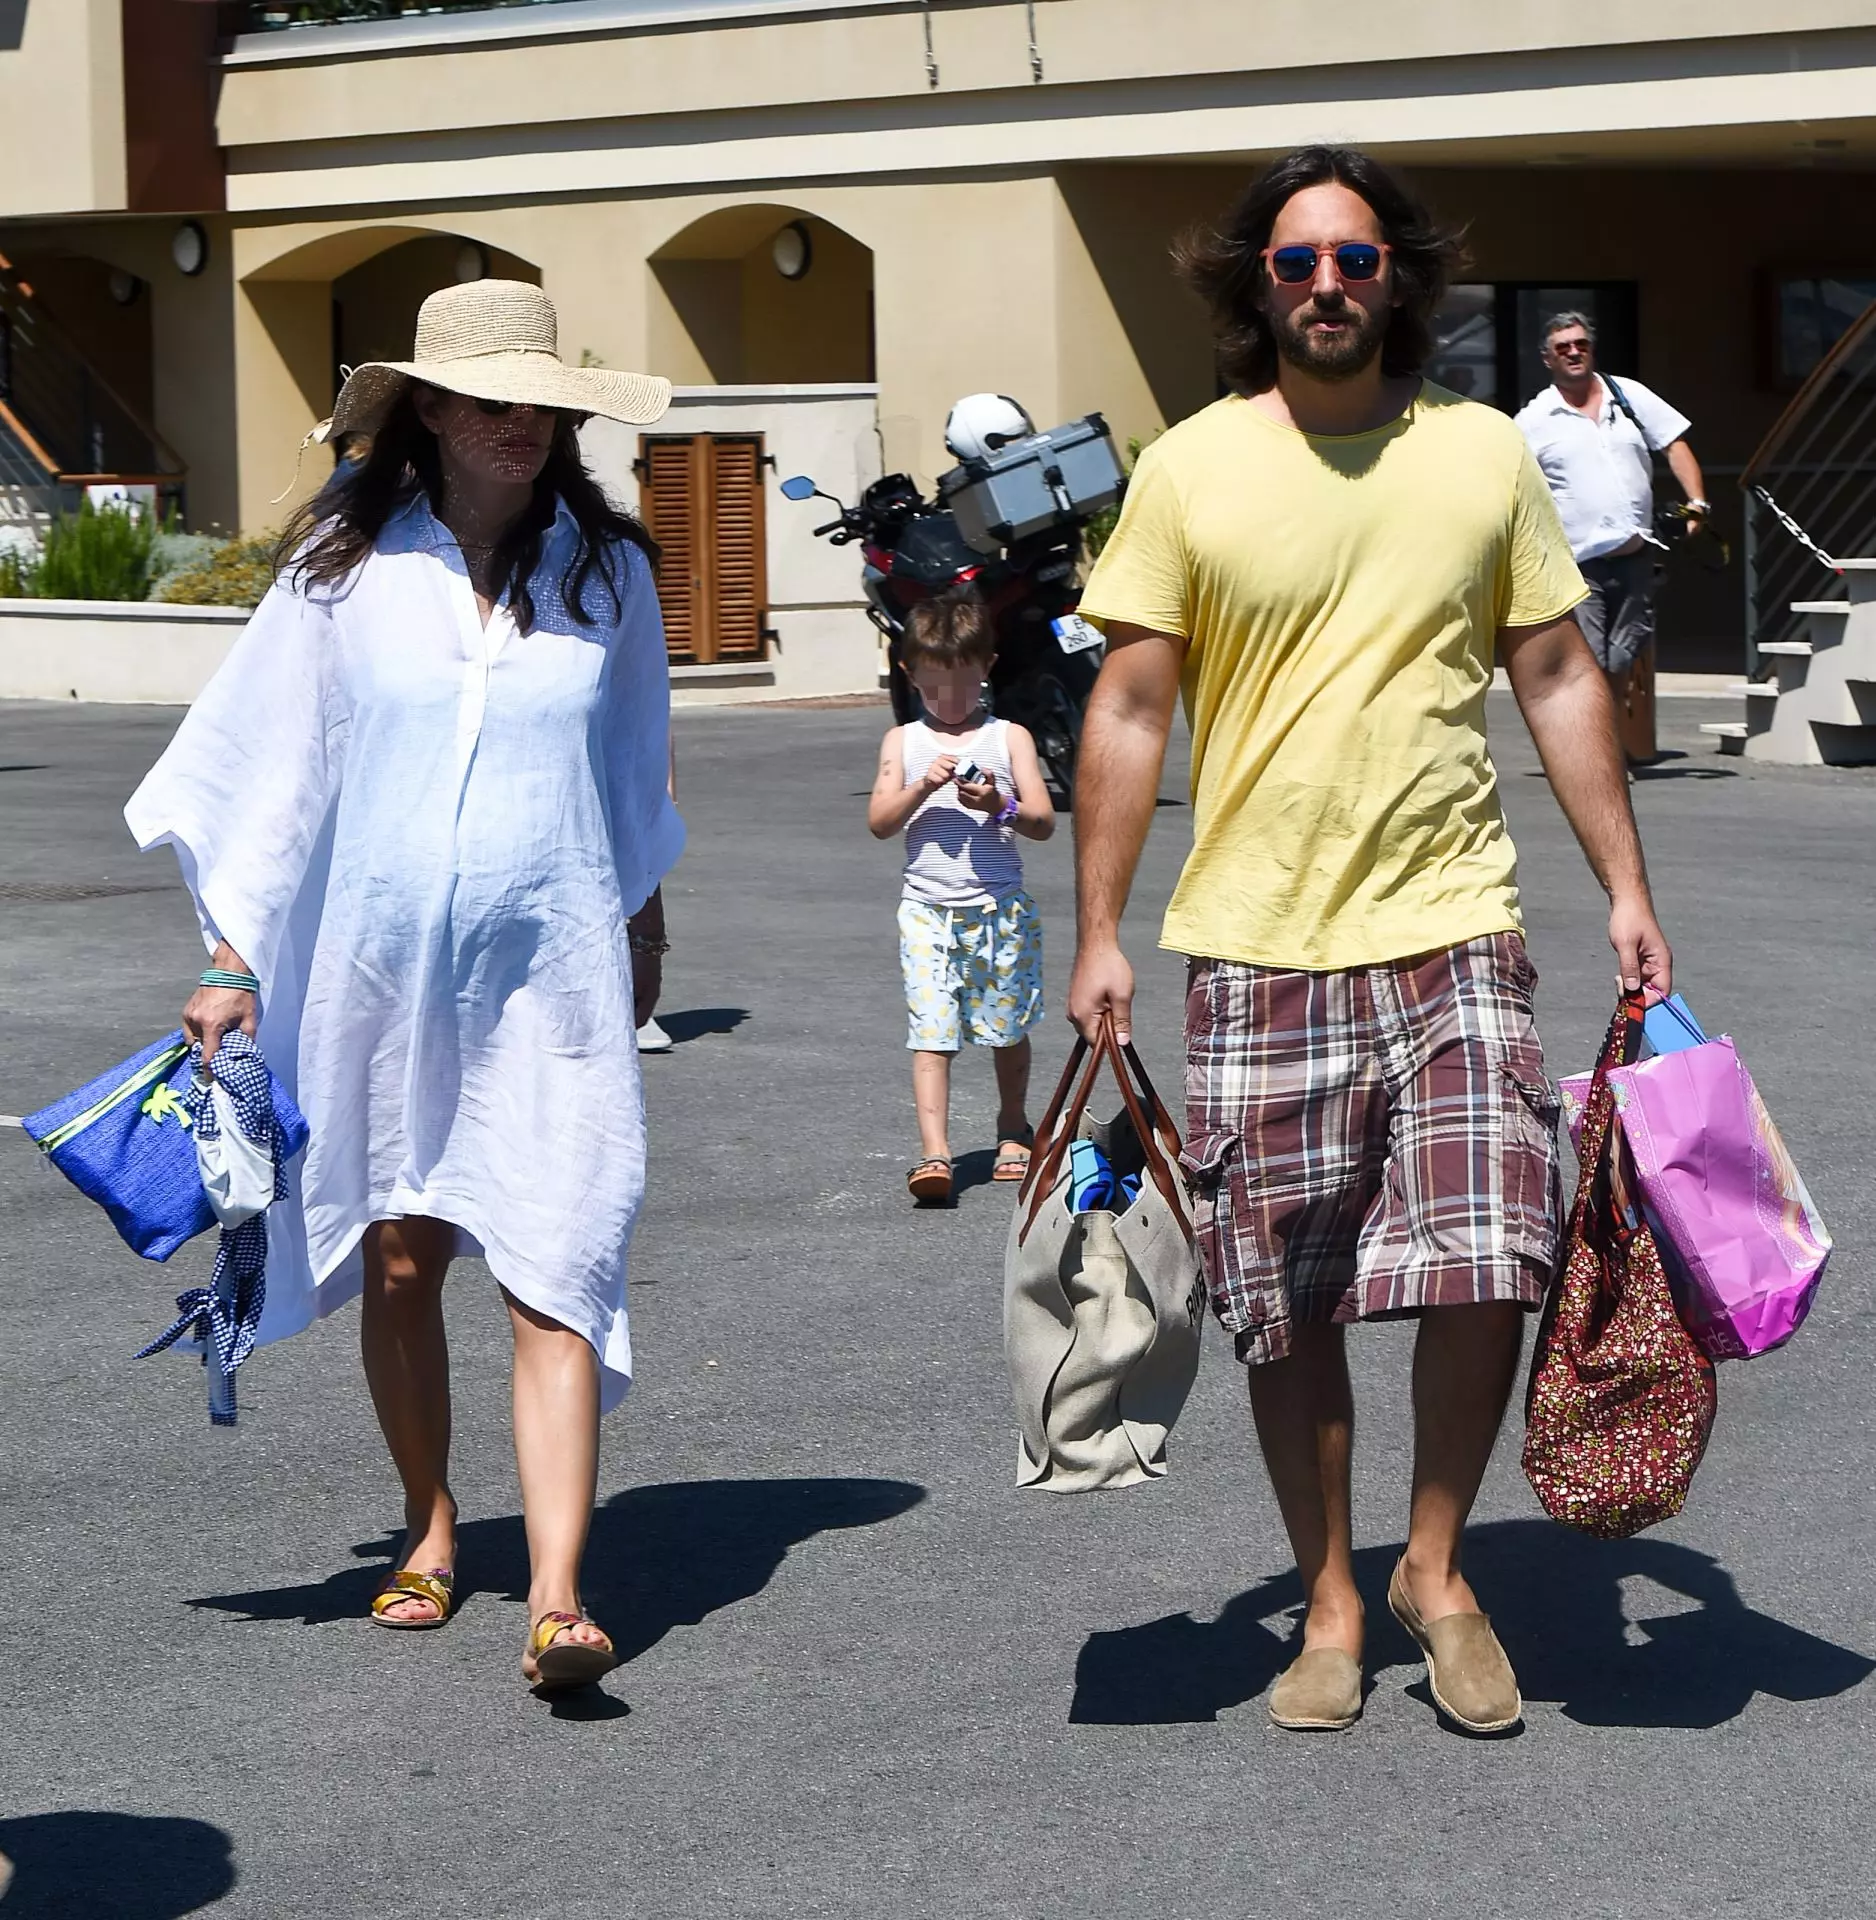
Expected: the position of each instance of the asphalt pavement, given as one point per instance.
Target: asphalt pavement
(866, 1675)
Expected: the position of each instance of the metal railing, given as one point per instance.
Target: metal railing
(272, 16)
(1811, 491)
(61, 419)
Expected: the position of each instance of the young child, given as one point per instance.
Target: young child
(962, 786)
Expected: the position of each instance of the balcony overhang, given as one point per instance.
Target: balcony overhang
(1771, 100)
(517, 26)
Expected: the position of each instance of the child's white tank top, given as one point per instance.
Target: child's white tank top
(954, 857)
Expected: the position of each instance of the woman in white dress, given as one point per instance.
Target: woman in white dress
(423, 811)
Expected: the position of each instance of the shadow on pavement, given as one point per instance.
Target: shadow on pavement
(130, 1866)
(695, 1022)
(1693, 770)
(1556, 1598)
(974, 1169)
(659, 1557)
(588, 1704)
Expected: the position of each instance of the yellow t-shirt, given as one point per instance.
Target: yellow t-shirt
(1340, 597)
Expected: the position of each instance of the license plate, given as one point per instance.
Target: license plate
(1077, 635)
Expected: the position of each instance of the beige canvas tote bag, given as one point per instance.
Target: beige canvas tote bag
(1101, 1311)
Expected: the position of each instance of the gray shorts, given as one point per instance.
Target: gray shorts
(1618, 618)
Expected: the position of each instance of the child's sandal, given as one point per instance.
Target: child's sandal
(1012, 1161)
(930, 1180)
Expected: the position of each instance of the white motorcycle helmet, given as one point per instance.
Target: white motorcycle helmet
(981, 423)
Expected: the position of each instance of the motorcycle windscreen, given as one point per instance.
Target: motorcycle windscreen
(933, 553)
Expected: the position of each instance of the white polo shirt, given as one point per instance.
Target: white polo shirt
(1599, 470)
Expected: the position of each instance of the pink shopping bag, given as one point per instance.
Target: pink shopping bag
(1742, 1242)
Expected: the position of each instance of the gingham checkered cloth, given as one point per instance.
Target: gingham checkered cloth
(225, 1315)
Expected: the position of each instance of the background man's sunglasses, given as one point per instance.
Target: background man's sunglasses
(1571, 347)
(1354, 260)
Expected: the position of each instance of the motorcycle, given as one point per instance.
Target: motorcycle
(914, 549)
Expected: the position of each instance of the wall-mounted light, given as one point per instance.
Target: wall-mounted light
(472, 261)
(793, 251)
(124, 287)
(188, 247)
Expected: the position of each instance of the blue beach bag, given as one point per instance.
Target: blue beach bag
(124, 1140)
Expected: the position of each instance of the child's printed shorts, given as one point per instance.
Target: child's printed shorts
(973, 971)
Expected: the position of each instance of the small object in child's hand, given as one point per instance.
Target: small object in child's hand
(969, 774)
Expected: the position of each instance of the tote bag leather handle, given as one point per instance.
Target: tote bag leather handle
(1169, 1137)
(1152, 1124)
(1058, 1127)
(1161, 1149)
(1045, 1138)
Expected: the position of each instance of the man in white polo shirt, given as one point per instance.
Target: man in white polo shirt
(1595, 439)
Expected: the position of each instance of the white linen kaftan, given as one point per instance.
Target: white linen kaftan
(426, 837)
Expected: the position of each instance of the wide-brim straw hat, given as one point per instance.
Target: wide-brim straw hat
(495, 340)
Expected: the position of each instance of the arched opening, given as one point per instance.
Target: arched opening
(374, 305)
(353, 296)
(350, 295)
(762, 296)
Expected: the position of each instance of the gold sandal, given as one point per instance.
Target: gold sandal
(567, 1663)
(437, 1586)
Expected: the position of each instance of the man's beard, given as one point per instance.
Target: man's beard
(1337, 356)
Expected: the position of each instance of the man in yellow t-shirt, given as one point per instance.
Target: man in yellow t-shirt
(1327, 563)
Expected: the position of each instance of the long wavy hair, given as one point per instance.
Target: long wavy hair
(331, 534)
(1223, 263)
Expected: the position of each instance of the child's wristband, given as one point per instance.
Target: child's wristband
(1007, 812)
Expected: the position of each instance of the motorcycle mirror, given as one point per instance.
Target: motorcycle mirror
(799, 487)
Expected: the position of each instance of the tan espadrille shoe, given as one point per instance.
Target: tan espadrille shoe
(1471, 1680)
(1319, 1692)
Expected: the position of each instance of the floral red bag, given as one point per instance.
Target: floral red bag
(1621, 1398)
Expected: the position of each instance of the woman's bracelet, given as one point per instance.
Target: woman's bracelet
(645, 943)
(225, 977)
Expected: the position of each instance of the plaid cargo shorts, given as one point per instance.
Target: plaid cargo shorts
(1369, 1143)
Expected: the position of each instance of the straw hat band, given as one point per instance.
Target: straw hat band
(496, 340)
(517, 356)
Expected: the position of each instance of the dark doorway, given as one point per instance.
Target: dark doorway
(1489, 335)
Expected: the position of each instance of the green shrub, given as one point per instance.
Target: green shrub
(98, 553)
(236, 574)
(18, 572)
(173, 552)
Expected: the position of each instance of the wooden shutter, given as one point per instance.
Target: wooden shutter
(701, 496)
(668, 501)
(736, 523)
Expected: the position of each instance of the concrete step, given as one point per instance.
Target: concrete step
(1731, 734)
(1789, 649)
(1845, 746)
(1826, 623)
(1849, 702)
(1859, 578)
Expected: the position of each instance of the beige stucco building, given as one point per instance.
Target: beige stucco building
(987, 190)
